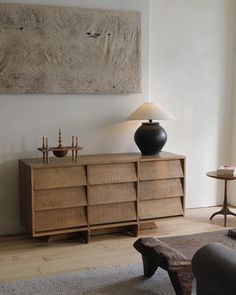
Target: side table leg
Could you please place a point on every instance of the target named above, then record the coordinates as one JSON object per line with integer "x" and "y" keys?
{"x": 217, "y": 213}
{"x": 225, "y": 210}
{"x": 231, "y": 213}
{"x": 225, "y": 205}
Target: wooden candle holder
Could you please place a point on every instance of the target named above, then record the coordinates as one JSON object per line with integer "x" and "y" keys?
{"x": 60, "y": 150}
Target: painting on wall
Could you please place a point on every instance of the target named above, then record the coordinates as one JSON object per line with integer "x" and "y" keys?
{"x": 53, "y": 49}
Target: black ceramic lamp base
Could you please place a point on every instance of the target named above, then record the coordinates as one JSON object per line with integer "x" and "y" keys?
{"x": 150, "y": 138}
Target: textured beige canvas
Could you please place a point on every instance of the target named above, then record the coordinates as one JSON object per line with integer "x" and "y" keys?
{"x": 51, "y": 49}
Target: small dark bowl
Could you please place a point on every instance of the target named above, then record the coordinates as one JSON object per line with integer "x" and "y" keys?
{"x": 60, "y": 153}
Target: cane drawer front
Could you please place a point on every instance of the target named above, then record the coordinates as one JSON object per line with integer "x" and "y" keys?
{"x": 151, "y": 209}
{"x": 111, "y": 213}
{"x": 162, "y": 188}
{"x": 47, "y": 220}
{"x": 60, "y": 198}
{"x": 160, "y": 169}
{"x": 111, "y": 173}
{"x": 111, "y": 193}
{"x": 57, "y": 177}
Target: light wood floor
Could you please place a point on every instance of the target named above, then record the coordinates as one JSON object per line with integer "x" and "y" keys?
{"x": 22, "y": 256}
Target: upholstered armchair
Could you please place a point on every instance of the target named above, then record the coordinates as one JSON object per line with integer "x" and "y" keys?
{"x": 214, "y": 268}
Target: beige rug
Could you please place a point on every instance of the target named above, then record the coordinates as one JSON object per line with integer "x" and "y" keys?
{"x": 117, "y": 280}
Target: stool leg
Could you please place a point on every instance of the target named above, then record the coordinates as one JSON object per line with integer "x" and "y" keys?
{"x": 181, "y": 281}
{"x": 149, "y": 267}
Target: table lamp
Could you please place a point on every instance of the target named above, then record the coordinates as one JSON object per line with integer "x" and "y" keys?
{"x": 150, "y": 137}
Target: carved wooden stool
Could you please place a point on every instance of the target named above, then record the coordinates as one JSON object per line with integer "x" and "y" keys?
{"x": 156, "y": 253}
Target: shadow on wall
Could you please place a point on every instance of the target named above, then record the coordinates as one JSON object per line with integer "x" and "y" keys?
{"x": 116, "y": 137}
{"x": 109, "y": 135}
{"x": 119, "y": 138}
{"x": 9, "y": 196}
{"x": 225, "y": 112}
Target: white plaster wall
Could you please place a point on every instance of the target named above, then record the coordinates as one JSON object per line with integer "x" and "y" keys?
{"x": 192, "y": 51}
{"x": 232, "y": 184}
{"x": 96, "y": 119}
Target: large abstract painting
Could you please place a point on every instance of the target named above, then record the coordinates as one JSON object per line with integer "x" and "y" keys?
{"x": 51, "y": 49}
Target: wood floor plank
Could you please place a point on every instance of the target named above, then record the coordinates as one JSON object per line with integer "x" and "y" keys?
{"x": 22, "y": 256}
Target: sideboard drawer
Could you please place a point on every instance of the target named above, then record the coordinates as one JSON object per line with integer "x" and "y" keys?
{"x": 160, "y": 169}
{"x": 60, "y": 218}
{"x": 111, "y": 173}
{"x": 160, "y": 208}
{"x": 111, "y": 193}
{"x": 59, "y": 177}
{"x": 108, "y": 213}
{"x": 60, "y": 198}
{"x": 162, "y": 188}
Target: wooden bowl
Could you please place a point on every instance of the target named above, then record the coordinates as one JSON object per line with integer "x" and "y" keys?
{"x": 60, "y": 153}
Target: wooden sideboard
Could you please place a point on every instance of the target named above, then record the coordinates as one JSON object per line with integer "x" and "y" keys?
{"x": 100, "y": 192}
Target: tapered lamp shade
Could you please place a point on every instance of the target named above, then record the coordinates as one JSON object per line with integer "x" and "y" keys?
{"x": 150, "y": 137}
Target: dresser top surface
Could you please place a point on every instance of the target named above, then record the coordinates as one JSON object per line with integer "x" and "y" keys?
{"x": 94, "y": 159}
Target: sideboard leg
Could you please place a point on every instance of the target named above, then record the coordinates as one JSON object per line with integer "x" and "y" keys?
{"x": 133, "y": 229}
{"x": 84, "y": 236}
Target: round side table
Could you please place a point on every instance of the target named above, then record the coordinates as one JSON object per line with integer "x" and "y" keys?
{"x": 225, "y": 210}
